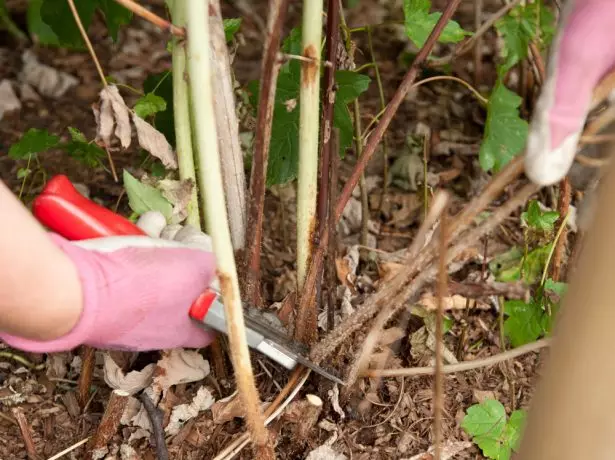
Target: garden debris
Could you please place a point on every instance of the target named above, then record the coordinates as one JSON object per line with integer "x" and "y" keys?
{"x": 346, "y": 266}
{"x": 325, "y": 452}
{"x": 448, "y": 451}
{"x": 133, "y": 382}
{"x": 304, "y": 414}
{"x": 185, "y": 412}
{"x": 179, "y": 366}
{"x": 154, "y": 142}
{"x": 423, "y": 341}
{"x": 178, "y": 193}
{"x": 49, "y": 82}
{"x": 113, "y": 112}
{"x": 8, "y": 99}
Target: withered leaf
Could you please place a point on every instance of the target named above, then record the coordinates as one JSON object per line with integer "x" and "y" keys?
{"x": 180, "y": 366}
{"x": 133, "y": 382}
{"x": 113, "y": 111}
{"x": 154, "y": 142}
{"x": 178, "y": 193}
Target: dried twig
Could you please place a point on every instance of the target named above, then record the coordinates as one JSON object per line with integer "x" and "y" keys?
{"x": 68, "y": 449}
{"x": 270, "y": 69}
{"x": 26, "y": 433}
{"x": 461, "y": 367}
{"x": 85, "y": 378}
{"x": 108, "y": 425}
{"x": 438, "y": 398}
{"x": 151, "y": 17}
{"x": 331, "y": 252}
{"x": 565, "y": 193}
{"x": 86, "y": 39}
{"x": 155, "y": 418}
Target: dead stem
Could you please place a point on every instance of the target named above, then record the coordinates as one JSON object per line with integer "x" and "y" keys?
{"x": 88, "y": 43}
{"x": 461, "y": 367}
{"x": 85, "y": 378}
{"x": 362, "y": 185}
{"x": 151, "y": 17}
{"x": 155, "y": 418}
{"x": 565, "y": 192}
{"x": 442, "y": 288}
{"x": 109, "y": 424}
{"x": 68, "y": 449}
{"x": 331, "y": 252}
{"x": 26, "y": 432}
{"x": 270, "y": 69}
{"x": 538, "y": 63}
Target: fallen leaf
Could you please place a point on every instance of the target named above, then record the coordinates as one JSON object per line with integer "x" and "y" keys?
{"x": 128, "y": 453}
{"x": 350, "y": 221}
{"x": 325, "y": 452}
{"x": 27, "y": 93}
{"x": 133, "y": 382}
{"x": 334, "y": 396}
{"x": 480, "y": 395}
{"x": 154, "y": 142}
{"x": 180, "y": 366}
{"x": 185, "y": 412}
{"x": 448, "y": 451}
{"x": 48, "y": 81}
{"x": 346, "y": 267}
{"x": 178, "y": 193}
{"x": 8, "y": 99}
{"x": 57, "y": 365}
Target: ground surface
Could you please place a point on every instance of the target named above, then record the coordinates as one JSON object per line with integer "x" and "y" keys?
{"x": 398, "y": 421}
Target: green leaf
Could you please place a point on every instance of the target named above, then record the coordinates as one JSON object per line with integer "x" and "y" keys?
{"x": 524, "y": 322}
{"x": 505, "y": 132}
{"x": 36, "y": 26}
{"x": 79, "y": 148}
{"x": 231, "y": 26}
{"x": 115, "y": 15}
{"x": 149, "y": 105}
{"x": 521, "y": 26}
{"x": 58, "y": 16}
{"x": 514, "y": 429}
{"x": 350, "y": 85}
{"x": 538, "y": 219}
{"x": 23, "y": 172}
{"x": 161, "y": 84}
{"x": 419, "y": 24}
{"x": 32, "y": 142}
{"x": 143, "y": 198}
{"x": 497, "y": 437}
{"x": 557, "y": 287}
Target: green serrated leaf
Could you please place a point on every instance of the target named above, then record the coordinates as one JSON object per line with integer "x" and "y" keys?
{"x": 231, "y": 26}
{"x": 149, "y": 105}
{"x": 538, "y": 219}
{"x": 524, "y": 322}
{"x": 143, "y": 198}
{"x": 79, "y": 148}
{"x": 420, "y": 22}
{"x": 58, "y": 16}
{"x": 533, "y": 22}
{"x": 115, "y": 16}
{"x": 38, "y": 28}
{"x": 513, "y": 266}
{"x": 32, "y": 142}
{"x": 161, "y": 84}
{"x": 505, "y": 132}
{"x": 514, "y": 429}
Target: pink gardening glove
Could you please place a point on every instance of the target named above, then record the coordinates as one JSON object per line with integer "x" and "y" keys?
{"x": 137, "y": 291}
{"x": 582, "y": 54}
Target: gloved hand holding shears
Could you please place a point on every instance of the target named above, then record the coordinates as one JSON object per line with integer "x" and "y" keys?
{"x": 582, "y": 54}
{"x": 122, "y": 292}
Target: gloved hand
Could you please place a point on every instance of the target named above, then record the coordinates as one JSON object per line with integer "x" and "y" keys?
{"x": 137, "y": 290}
{"x": 582, "y": 55}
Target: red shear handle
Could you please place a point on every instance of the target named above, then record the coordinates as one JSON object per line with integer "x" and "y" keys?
{"x": 65, "y": 211}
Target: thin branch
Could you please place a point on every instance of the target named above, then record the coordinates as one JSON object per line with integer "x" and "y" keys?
{"x": 438, "y": 398}
{"x": 86, "y": 39}
{"x": 26, "y": 433}
{"x": 109, "y": 423}
{"x": 270, "y": 70}
{"x": 331, "y": 272}
{"x": 462, "y": 367}
{"x": 563, "y": 206}
{"x": 151, "y": 17}
{"x": 85, "y": 378}
{"x": 155, "y": 417}
{"x": 68, "y": 450}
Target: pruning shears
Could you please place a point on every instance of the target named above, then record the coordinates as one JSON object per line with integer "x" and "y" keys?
{"x": 64, "y": 210}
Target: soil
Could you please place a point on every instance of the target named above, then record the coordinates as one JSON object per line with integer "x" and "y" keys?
{"x": 397, "y": 423}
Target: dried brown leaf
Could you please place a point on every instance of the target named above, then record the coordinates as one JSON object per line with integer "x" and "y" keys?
{"x": 448, "y": 451}
{"x": 185, "y": 412}
{"x": 8, "y": 99}
{"x": 132, "y": 383}
{"x": 325, "y": 452}
{"x": 154, "y": 142}
{"x": 113, "y": 111}
{"x": 48, "y": 81}
{"x": 178, "y": 193}
{"x": 180, "y": 366}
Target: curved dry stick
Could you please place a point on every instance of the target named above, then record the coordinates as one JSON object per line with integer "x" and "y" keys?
{"x": 461, "y": 367}
{"x": 151, "y": 17}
